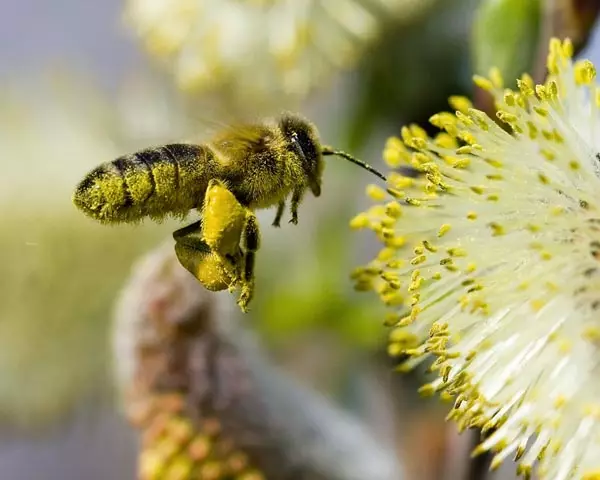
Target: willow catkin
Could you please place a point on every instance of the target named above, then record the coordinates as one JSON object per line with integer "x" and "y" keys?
{"x": 206, "y": 402}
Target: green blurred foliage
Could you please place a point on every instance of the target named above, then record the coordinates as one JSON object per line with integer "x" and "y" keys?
{"x": 314, "y": 292}
{"x": 505, "y": 35}
{"x": 412, "y": 71}
{"x": 61, "y": 273}
{"x": 60, "y": 270}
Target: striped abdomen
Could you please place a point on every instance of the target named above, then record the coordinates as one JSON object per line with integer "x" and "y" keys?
{"x": 154, "y": 182}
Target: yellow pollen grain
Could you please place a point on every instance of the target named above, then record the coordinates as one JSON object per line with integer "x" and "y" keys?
{"x": 418, "y": 131}
{"x": 401, "y": 182}
{"x": 418, "y": 260}
{"x": 415, "y": 284}
{"x": 494, "y": 176}
{"x": 444, "y": 229}
{"x": 585, "y": 72}
{"x": 359, "y": 222}
{"x": 445, "y": 141}
{"x": 461, "y": 163}
{"x": 392, "y": 157}
{"x": 422, "y": 160}
{"x": 549, "y": 155}
{"x": 477, "y": 189}
{"x": 565, "y": 346}
{"x": 507, "y": 117}
{"x": 591, "y": 333}
{"x": 393, "y": 210}
{"x": 543, "y": 179}
{"x": 526, "y": 85}
{"x": 387, "y": 222}
{"x": 396, "y": 242}
{"x": 548, "y": 135}
{"x": 472, "y": 216}
{"x": 533, "y": 130}
{"x": 483, "y": 83}
{"x": 471, "y": 267}
{"x": 386, "y": 254}
{"x": 541, "y": 92}
{"x": 457, "y": 252}
{"x": 496, "y": 77}
{"x": 429, "y": 246}
{"x": 460, "y": 103}
{"x": 494, "y": 163}
{"x": 497, "y": 229}
{"x": 574, "y": 165}
{"x": 546, "y": 256}
{"x": 464, "y": 119}
{"x": 415, "y": 202}
{"x": 376, "y": 193}
{"x": 552, "y": 90}
{"x": 469, "y": 138}
{"x": 509, "y": 98}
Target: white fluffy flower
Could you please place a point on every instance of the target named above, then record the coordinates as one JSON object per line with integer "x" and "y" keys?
{"x": 261, "y": 48}
{"x": 492, "y": 265}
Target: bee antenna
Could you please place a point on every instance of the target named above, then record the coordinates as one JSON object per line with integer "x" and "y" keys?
{"x": 347, "y": 156}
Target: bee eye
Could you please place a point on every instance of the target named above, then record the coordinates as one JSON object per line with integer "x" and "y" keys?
{"x": 296, "y": 145}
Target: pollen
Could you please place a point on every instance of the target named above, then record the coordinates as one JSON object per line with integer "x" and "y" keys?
{"x": 497, "y": 266}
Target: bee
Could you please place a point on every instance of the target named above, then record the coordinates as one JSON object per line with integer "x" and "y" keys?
{"x": 242, "y": 169}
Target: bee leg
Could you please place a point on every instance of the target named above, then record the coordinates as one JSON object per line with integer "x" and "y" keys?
{"x": 251, "y": 238}
{"x": 186, "y": 236}
{"x": 216, "y": 272}
{"x": 296, "y": 199}
{"x": 279, "y": 214}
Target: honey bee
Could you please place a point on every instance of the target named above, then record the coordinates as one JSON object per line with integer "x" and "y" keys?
{"x": 242, "y": 169}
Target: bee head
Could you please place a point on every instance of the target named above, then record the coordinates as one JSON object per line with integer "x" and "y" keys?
{"x": 303, "y": 140}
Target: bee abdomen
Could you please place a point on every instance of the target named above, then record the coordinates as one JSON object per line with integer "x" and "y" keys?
{"x": 154, "y": 182}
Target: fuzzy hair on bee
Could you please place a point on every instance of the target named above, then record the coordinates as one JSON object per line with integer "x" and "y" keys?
{"x": 260, "y": 165}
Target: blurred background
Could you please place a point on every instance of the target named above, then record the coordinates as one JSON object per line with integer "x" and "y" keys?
{"x": 84, "y": 82}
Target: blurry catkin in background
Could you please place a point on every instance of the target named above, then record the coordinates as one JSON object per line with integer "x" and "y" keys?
{"x": 262, "y": 52}
{"x": 208, "y": 403}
